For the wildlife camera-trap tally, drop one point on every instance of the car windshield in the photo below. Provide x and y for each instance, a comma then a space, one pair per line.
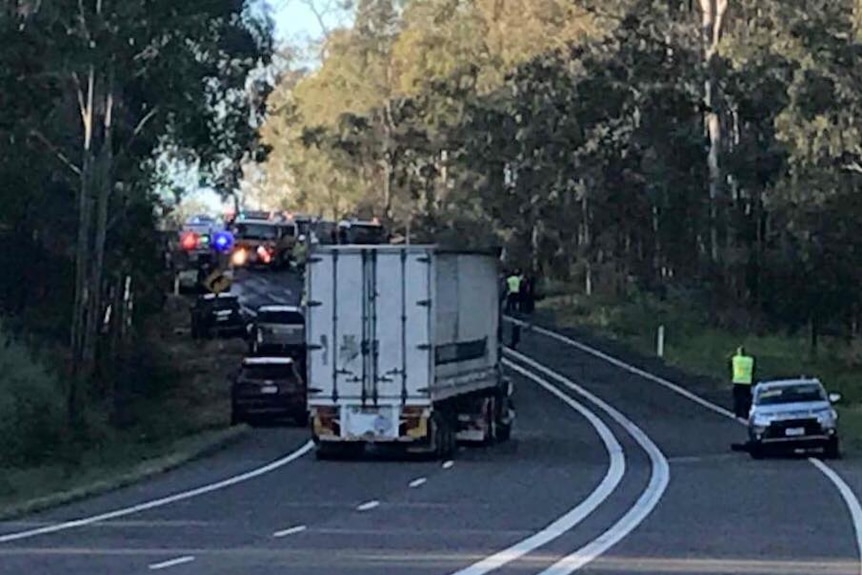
288, 317
263, 372
256, 232
791, 394
289, 230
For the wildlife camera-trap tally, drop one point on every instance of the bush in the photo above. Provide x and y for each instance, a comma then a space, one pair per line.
32, 406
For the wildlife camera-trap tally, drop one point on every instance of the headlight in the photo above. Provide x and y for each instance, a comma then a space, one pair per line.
827, 417
761, 420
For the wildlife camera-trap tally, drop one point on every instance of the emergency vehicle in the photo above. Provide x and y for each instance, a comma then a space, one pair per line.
192, 255
262, 239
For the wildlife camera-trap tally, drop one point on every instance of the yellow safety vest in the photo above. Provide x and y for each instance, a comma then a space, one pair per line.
514, 283
743, 369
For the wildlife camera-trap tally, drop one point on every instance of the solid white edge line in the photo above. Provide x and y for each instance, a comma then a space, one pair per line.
368, 505
649, 498
623, 365
291, 457
172, 563
418, 482
568, 521
850, 498
290, 531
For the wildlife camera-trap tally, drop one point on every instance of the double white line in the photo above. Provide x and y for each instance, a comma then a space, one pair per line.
635, 515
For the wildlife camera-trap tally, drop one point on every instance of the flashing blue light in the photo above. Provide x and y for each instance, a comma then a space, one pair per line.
222, 241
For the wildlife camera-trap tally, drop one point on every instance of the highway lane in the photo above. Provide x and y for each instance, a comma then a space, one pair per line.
723, 512
430, 517
489, 499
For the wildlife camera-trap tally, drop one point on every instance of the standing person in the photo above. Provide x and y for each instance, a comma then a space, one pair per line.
742, 366
513, 290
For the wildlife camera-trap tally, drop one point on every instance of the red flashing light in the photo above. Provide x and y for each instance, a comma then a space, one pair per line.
264, 254
189, 240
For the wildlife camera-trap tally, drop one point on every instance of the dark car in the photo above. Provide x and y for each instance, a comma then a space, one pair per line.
268, 387
278, 329
215, 315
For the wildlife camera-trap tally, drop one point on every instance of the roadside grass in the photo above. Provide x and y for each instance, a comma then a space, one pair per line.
176, 408
693, 345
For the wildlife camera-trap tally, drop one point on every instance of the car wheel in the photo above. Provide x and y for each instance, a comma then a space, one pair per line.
756, 450
832, 449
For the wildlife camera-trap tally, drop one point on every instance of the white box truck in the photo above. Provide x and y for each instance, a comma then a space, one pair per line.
404, 348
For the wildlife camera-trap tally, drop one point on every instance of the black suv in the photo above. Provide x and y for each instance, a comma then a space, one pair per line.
270, 387
214, 315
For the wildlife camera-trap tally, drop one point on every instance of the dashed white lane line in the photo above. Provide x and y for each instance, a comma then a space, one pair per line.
851, 500
448, 464
568, 521
172, 563
648, 500
418, 482
368, 505
291, 531
278, 463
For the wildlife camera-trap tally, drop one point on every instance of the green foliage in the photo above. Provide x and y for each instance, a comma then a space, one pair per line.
32, 415
574, 133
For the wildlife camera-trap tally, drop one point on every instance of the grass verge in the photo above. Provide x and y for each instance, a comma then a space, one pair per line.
693, 345
49, 486
173, 407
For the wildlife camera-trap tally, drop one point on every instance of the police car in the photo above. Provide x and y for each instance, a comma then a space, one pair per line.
790, 414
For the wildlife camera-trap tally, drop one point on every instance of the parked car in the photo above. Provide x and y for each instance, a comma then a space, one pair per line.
790, 414
216, 315
268, 387
278, 329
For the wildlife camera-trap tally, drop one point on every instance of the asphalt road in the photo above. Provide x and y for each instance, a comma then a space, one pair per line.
604, 464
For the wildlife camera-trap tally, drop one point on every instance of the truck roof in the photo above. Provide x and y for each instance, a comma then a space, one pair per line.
267, 361
277, 308
415, 248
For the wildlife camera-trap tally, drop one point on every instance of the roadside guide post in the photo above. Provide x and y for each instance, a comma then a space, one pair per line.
660, 341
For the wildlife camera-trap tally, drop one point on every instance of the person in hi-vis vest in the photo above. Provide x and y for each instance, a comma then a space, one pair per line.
742, 366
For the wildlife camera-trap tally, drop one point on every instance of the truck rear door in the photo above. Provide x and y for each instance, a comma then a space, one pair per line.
400, 301
335, 324
369, 324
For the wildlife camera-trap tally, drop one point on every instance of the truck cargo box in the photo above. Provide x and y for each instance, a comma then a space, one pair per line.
396, 335
401, 324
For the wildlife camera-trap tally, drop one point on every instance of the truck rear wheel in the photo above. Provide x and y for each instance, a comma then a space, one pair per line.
445, 440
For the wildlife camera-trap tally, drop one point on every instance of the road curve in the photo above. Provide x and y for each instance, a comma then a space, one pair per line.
347, 517
608, 472
723, 512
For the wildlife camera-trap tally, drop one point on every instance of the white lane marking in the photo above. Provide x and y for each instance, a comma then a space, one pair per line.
368, 505
418, 482
448, 464
623, 365
291, 531
648, 500
568, 521
172, 563
290, 458
850, 498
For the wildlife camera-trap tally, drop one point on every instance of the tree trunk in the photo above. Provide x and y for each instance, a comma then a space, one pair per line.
712, 20
104, 188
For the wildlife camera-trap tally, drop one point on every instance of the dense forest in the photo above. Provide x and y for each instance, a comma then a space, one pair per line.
709, 148
100, 98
